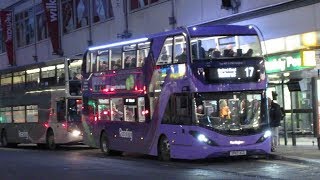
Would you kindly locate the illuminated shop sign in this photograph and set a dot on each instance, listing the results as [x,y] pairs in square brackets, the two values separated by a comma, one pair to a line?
[291,61]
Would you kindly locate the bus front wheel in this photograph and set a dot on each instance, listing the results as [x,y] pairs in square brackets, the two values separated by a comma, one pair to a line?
[51,145]
[104,144]
[4,141]
[164,149]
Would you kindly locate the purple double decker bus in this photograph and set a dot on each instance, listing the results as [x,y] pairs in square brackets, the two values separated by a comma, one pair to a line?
[190,93]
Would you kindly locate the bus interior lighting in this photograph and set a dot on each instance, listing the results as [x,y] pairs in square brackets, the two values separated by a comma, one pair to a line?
[118,44]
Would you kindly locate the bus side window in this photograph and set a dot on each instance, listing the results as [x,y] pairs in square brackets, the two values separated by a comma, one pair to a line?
[104,109]
[182,110]
[130,113]
[142,109]
[166,119]
[116,109]
[61,110]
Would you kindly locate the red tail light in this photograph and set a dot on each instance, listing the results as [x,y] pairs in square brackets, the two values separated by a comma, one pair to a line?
[64,125]
[46,125]
[145,112]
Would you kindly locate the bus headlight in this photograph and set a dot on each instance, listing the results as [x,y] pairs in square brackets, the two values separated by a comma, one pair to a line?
[202,138]
[75,133]
[265,136]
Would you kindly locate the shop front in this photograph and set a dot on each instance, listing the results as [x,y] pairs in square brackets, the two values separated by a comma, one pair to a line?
[293,84]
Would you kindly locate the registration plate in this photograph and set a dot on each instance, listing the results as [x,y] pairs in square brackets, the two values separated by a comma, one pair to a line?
[238,153]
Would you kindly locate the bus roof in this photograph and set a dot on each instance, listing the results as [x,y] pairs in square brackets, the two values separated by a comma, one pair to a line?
[208,30]
[32,66]
[221,30]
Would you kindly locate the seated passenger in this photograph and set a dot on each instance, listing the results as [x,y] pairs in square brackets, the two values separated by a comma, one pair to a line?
[249,53]
[127,62]
[228,53]
[182,58]
[216,53]
[116,64]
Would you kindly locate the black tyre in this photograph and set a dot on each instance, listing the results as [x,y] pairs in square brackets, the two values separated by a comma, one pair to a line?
[104,144]
[41,146]
[4,140]
[51,145]
[164,149]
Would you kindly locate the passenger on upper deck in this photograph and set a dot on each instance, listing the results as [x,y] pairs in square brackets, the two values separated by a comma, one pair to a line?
[182,58]
[249,53]
[198,51]
[116,64]
[129,62]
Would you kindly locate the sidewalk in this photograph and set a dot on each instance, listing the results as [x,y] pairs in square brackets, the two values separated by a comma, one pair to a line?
[300,154]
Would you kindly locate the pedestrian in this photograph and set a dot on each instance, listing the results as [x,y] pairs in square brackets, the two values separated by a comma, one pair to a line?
[275,115]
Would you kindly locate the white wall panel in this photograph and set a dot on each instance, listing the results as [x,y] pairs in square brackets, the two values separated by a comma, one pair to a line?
[287,23]
[76,42]
[25,55]
[4,61]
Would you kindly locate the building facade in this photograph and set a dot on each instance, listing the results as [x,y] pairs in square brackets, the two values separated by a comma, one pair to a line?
[43,30]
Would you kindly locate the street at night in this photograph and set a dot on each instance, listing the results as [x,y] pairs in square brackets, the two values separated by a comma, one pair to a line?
[29,162]
[159,89]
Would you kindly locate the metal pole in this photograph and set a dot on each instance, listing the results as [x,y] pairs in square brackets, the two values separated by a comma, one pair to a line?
[284,119]
[292,125]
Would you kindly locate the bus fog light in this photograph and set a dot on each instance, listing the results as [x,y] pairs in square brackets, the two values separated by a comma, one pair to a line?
[76,133]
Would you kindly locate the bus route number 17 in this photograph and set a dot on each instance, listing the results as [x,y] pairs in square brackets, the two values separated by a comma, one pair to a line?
[249,71]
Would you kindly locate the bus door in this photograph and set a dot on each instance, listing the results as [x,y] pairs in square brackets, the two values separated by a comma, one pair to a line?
[177,118]
[74,114]
[60,127]
[20,125]
[135,129]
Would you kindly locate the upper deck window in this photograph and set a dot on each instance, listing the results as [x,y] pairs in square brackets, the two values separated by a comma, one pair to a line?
[130,56]
[6,79]
[116,62]
[173,51]
[225,47]
[143,51]
[33,75]
[19,79]
[103,60]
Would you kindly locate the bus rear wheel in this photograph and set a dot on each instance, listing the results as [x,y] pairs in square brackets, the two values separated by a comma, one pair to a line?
[51,145]
[4,141]
[104,144]
[164,149]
